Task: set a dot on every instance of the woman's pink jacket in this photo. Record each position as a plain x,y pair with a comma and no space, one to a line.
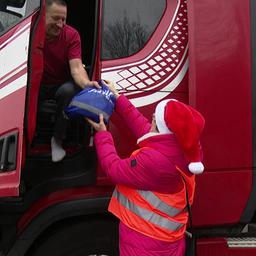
152,168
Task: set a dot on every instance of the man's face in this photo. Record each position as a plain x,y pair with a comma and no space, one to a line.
55,20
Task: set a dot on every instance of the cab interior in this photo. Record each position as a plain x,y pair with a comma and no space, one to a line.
78,168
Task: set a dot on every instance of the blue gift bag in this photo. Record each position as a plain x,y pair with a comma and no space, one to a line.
90,102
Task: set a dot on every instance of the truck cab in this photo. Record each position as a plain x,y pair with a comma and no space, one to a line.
199,52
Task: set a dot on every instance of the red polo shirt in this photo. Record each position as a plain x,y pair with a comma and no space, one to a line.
57,54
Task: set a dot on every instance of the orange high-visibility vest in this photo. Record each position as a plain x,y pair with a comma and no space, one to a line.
157,215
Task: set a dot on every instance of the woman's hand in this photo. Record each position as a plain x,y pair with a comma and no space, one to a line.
97,126
112,88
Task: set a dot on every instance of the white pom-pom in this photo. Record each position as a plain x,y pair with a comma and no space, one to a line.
196,167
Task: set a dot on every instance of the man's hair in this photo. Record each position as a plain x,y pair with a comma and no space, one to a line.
60,2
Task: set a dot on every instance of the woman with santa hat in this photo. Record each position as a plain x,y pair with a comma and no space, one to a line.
150,194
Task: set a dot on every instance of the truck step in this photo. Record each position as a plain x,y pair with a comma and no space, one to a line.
241,242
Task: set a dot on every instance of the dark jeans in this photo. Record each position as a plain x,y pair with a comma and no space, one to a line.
63,95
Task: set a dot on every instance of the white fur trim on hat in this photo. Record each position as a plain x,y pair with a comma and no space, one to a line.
196,167
159,116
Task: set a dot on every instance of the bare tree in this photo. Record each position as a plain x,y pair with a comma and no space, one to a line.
123,38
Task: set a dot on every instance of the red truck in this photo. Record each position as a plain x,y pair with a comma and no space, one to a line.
201,52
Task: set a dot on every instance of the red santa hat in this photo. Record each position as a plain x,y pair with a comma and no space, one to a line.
187,125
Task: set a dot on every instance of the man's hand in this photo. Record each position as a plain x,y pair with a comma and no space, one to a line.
92,83
97,126
79,74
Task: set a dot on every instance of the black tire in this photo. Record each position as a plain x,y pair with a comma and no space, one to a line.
94,237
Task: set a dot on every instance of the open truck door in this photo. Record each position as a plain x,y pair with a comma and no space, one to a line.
16,25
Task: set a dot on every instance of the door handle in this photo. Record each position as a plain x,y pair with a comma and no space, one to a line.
8,152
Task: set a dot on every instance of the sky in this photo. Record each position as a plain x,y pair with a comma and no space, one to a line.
133,7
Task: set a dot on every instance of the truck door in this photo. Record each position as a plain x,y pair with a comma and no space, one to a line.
16,19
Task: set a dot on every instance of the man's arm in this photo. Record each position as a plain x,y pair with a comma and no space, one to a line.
80,75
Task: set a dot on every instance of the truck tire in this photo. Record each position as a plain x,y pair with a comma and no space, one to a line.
90,238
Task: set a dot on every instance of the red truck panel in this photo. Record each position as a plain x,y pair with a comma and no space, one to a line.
219,246
220,87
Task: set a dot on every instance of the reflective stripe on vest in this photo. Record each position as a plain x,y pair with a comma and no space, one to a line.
147,215
159,204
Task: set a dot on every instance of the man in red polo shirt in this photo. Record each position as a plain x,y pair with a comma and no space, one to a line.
64,74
